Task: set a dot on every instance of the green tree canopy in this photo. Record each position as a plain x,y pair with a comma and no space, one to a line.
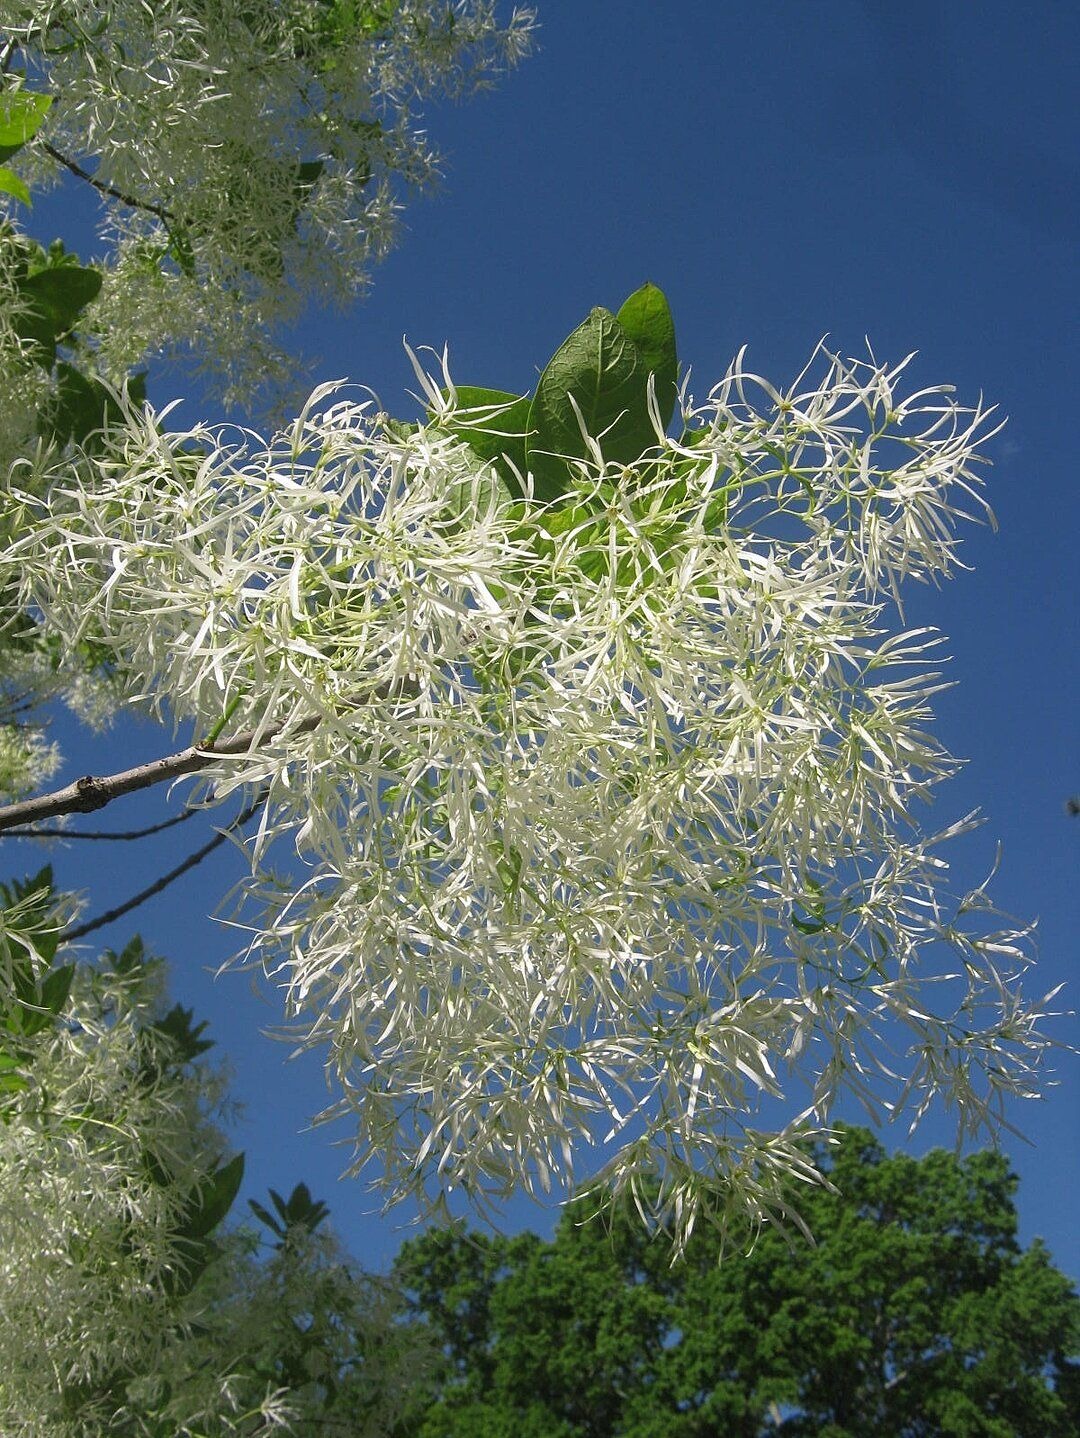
915,1313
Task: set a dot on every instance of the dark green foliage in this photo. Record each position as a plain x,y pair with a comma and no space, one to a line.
600,373
183,1036
52,291
84,406
915,1315
494,424
52,294
21,114
297,1213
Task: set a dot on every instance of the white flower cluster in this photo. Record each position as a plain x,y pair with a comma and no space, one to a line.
97,1160
27,759
608,806
106,1137
252,152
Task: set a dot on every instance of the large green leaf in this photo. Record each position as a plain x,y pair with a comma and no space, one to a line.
21,115
55,988
606,373
84,406
646,318
41,1003
53,299
63,292
11,1079
214,1199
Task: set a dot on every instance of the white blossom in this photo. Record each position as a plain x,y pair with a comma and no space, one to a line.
250,154
96,1163
114,1318
609,810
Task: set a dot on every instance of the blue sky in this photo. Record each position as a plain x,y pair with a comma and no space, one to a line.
784,170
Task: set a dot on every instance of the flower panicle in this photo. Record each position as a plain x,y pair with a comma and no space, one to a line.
608,806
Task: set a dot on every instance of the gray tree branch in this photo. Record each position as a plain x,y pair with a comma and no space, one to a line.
91,792
61,833
111,915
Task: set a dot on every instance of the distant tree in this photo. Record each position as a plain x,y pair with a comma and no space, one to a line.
915,1314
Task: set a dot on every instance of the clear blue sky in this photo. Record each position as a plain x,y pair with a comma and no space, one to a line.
784,170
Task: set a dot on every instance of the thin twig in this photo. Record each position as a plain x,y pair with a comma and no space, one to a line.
104,833
111,915
90,793
76,169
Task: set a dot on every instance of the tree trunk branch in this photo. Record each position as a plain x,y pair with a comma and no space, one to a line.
91,792
60,833
114,194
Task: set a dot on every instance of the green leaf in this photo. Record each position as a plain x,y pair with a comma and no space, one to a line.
84,406
27,1021
806,926
646,318
307,175
814,907
38,1001
13,1082
80,406
302,1210
264,1217
181,251
494,424
606,373
63,292
182,1035
53,298
299,1209
55,988
11,1079
214,1199
10,184
21,116
136,387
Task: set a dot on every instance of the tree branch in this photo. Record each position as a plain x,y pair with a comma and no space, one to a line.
104,833
77,170
111,915
90,793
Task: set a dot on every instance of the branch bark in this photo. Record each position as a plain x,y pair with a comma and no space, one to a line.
91,792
